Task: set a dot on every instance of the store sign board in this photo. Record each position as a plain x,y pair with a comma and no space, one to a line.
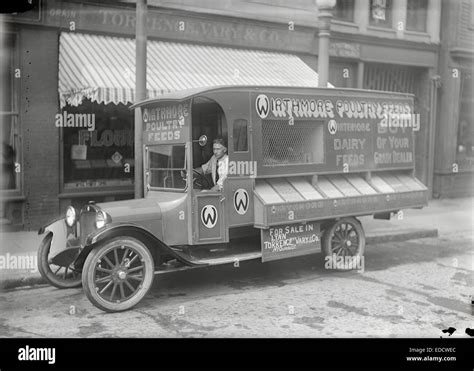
120,20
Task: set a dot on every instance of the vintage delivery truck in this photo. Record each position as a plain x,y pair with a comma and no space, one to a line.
302,165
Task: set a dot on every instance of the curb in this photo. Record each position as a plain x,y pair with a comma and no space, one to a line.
371,239
403,235
10,284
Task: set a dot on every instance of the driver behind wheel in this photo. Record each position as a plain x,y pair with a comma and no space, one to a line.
218,165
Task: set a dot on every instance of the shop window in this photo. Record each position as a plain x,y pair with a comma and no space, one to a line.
416,15
381,13
344,10
98,148
387,77
10,130
241,142
465,140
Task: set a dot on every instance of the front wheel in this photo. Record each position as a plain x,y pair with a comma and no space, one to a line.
118,274
343,244
58,272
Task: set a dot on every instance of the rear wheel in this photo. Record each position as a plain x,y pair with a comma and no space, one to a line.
344,244
118,274
60,272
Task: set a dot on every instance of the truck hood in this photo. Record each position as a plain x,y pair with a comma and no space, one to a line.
142,209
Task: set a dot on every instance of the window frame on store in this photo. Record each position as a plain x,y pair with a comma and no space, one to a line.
10,116
465,131
387,6
344,11
417,15
97,189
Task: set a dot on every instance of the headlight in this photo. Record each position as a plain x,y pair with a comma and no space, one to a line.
100,219
71,216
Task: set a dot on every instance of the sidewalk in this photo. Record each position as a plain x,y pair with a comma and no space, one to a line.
441,217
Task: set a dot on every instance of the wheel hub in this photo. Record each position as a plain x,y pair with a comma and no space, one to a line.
348,243
121,275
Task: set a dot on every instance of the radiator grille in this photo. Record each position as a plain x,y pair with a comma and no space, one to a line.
87,225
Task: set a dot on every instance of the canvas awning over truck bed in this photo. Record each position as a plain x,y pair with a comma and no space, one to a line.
303,198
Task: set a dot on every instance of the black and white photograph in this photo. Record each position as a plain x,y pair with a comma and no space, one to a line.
237,169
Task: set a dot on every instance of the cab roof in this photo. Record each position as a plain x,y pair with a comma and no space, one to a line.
180,95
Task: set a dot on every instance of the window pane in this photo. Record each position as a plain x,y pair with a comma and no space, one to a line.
7,72
240,136
8,122
167,156
416,15
165,164
9,154
344,10
465,148
381,13
99,148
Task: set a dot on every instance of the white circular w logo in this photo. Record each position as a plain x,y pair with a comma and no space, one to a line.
262,105
332,126
209,216
241,201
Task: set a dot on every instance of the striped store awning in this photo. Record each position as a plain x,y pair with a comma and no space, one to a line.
102,68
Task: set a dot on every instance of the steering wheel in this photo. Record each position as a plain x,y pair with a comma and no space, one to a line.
200,181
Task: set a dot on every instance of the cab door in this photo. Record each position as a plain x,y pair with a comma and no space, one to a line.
210,217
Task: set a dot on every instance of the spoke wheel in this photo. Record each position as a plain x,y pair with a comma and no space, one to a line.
118,274
62,277
345,238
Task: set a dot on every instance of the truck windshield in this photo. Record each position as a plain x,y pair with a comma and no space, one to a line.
165,164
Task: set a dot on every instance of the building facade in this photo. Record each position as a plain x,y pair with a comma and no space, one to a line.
454,160
48,164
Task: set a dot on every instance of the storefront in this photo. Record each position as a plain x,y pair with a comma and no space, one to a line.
70,129
72,134
454,161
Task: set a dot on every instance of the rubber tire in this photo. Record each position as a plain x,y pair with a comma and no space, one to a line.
45,269
88,274
327,236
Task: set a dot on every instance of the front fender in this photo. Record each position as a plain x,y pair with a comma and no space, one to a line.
63,236
130,230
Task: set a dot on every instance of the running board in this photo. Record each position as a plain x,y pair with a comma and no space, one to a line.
234,258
